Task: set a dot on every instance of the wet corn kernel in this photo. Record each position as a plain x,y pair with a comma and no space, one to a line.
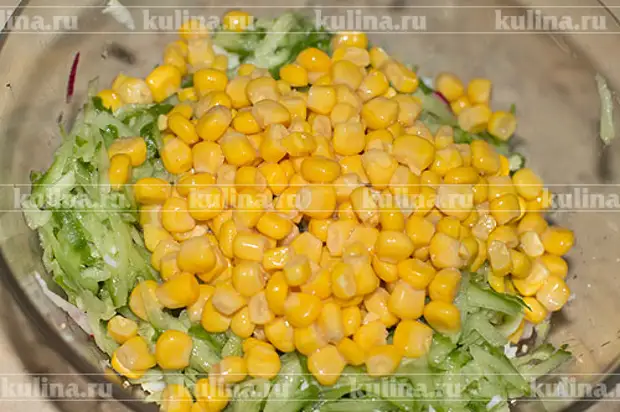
413,338
176,398
533,282
330,322
444,251
309,339
383,360
502,125
379,112
505,208
121,329
449,86
326,365
393,246
414,152
370,335
314,60
535,312
346,72
445,285
179,292
553,294
134,147
281,334
352,353
173,350
443,317
211,394
377,304
302,309
262,362
557,266
402,79
521,264
213,320
319,284
416,272
532,244
176,156
321,99
241,325
134,355
557,240
119,171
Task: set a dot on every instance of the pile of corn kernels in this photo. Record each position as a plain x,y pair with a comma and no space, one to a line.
391,213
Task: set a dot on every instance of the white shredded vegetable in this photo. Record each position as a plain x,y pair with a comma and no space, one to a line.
120,13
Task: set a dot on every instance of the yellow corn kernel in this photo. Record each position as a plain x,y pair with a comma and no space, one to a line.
244,122
226,237
352,353
443,317
309,339
393,246
299,144
343,281
337,233
227,300
379,113
135,355
318,285
535,312
110,100
122,329
259,309
179,292
187,94
248,278
317,201
212,125
350,39
207,157
245,69
356,55
502,125
347,73
231,369
321,99
379,167
521,264
475,119
213,320
449,86
351,320
173,350
262,88
297,271
445,285
262,362
449,226
212,99
196,255
413,338
319,228
213,396
143,294
176,398
276,293
388,272
176,156
275,176
205,203
484,158
383,360
176,217
377,304
318,169
532,244
237,20
378,57
370,335
119,171
414,152
405,301
444,251
534,281
194,311
419,230
241,324
505,208
374,84
403,79
499,186
314,60
505,234
236,90
556,265
557,240
267,112
391,219
164,247
294,74
348,138
134,147
416,272
164,81
133,91
302,309
331,323
276,258
499,258
553,294
479,91
193,29
237,149
326,365
527,183
189,182
459,105
281,334
480,255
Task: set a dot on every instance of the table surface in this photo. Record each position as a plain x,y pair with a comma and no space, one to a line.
597,47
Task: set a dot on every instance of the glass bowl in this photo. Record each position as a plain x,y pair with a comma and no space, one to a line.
551,84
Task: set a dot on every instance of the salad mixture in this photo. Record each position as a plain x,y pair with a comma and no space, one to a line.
278,218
